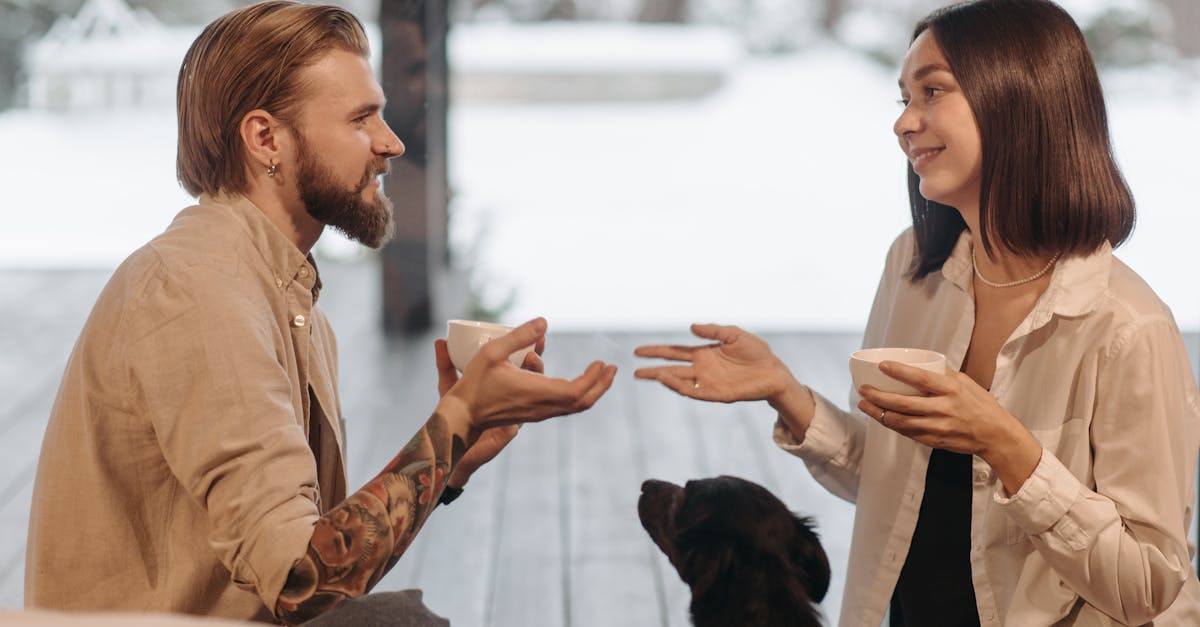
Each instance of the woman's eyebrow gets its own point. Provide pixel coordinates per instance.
(926, 70)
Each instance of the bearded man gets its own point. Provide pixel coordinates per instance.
(193, 461)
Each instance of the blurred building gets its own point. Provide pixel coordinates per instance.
(108, 56)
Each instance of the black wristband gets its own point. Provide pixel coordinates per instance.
(449, 494)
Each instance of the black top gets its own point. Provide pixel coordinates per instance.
(935, 587)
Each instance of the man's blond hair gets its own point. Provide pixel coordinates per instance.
(248, 59)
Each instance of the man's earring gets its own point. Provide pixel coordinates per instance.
(271, 169)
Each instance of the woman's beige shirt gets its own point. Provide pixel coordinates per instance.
(1098, 372)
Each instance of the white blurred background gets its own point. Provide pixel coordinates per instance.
(710, 160)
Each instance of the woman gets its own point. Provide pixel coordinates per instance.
(1047, 477)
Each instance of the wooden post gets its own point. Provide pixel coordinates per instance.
(414, 76)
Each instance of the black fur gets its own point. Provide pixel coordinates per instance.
(747, 558)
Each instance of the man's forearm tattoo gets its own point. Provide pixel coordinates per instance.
(359, 540)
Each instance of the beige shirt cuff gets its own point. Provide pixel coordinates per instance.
(824, 439)
(1045, 497)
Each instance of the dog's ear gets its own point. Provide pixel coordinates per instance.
(810, 559)
(706, 555)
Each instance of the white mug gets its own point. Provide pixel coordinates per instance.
(464, 338)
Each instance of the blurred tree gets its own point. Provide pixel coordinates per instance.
(831, 13)
(22, 22)
(413, 76)
(562, 10)
(1117, 36)
(663, 11)
(1185, 25)
(182, 12)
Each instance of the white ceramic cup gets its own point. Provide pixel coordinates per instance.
(464, 338)
(864, 367)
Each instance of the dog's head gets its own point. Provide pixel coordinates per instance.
(740, 549)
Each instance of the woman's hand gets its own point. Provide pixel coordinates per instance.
(958, 415)
(494, 393)
(738, 366)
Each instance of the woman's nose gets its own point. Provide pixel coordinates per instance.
(908, 122)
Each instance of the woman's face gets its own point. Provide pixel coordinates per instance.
(937, 130)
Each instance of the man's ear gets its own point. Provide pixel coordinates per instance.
(264, 138)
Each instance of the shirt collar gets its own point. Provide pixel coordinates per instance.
(1077, 282)
(285, 260)
(957, 267)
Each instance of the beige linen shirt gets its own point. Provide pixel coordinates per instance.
(1098, 373)
(196, 435)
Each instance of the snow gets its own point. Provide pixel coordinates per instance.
(768, 204)
(592, 47)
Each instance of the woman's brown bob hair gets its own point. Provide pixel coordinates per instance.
(249, 59)
(1050, 184)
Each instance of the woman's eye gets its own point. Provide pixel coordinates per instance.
(930, 92)
(903, 102)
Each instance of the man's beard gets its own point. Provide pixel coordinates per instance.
(367, 222)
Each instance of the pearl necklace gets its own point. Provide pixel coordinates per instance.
(1035, 277)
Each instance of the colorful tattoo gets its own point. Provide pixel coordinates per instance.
(358, 541)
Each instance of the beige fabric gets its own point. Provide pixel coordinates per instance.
(1098, 372)
(176, 472)
(42, 618)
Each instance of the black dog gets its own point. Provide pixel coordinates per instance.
(747, 558)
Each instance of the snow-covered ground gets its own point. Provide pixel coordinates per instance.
(768, 204)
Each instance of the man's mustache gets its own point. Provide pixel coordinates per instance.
(381, 168)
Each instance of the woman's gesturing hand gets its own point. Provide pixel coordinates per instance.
(737, 366)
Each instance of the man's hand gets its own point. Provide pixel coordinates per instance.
(493, 440)
(492, 392)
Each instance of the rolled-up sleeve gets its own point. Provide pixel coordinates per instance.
(215, 382)
(833, 446)
(1122, 545)
(831, 449)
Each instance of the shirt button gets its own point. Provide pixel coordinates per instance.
(298, 321)
(278, 282)
(303, 273)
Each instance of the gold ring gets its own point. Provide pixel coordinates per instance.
(882, 414)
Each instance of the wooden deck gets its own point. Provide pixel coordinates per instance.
(547, 534)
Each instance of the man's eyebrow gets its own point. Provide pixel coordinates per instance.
(926, 70)
(367, 109)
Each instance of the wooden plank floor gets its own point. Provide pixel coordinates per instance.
(547, 534)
